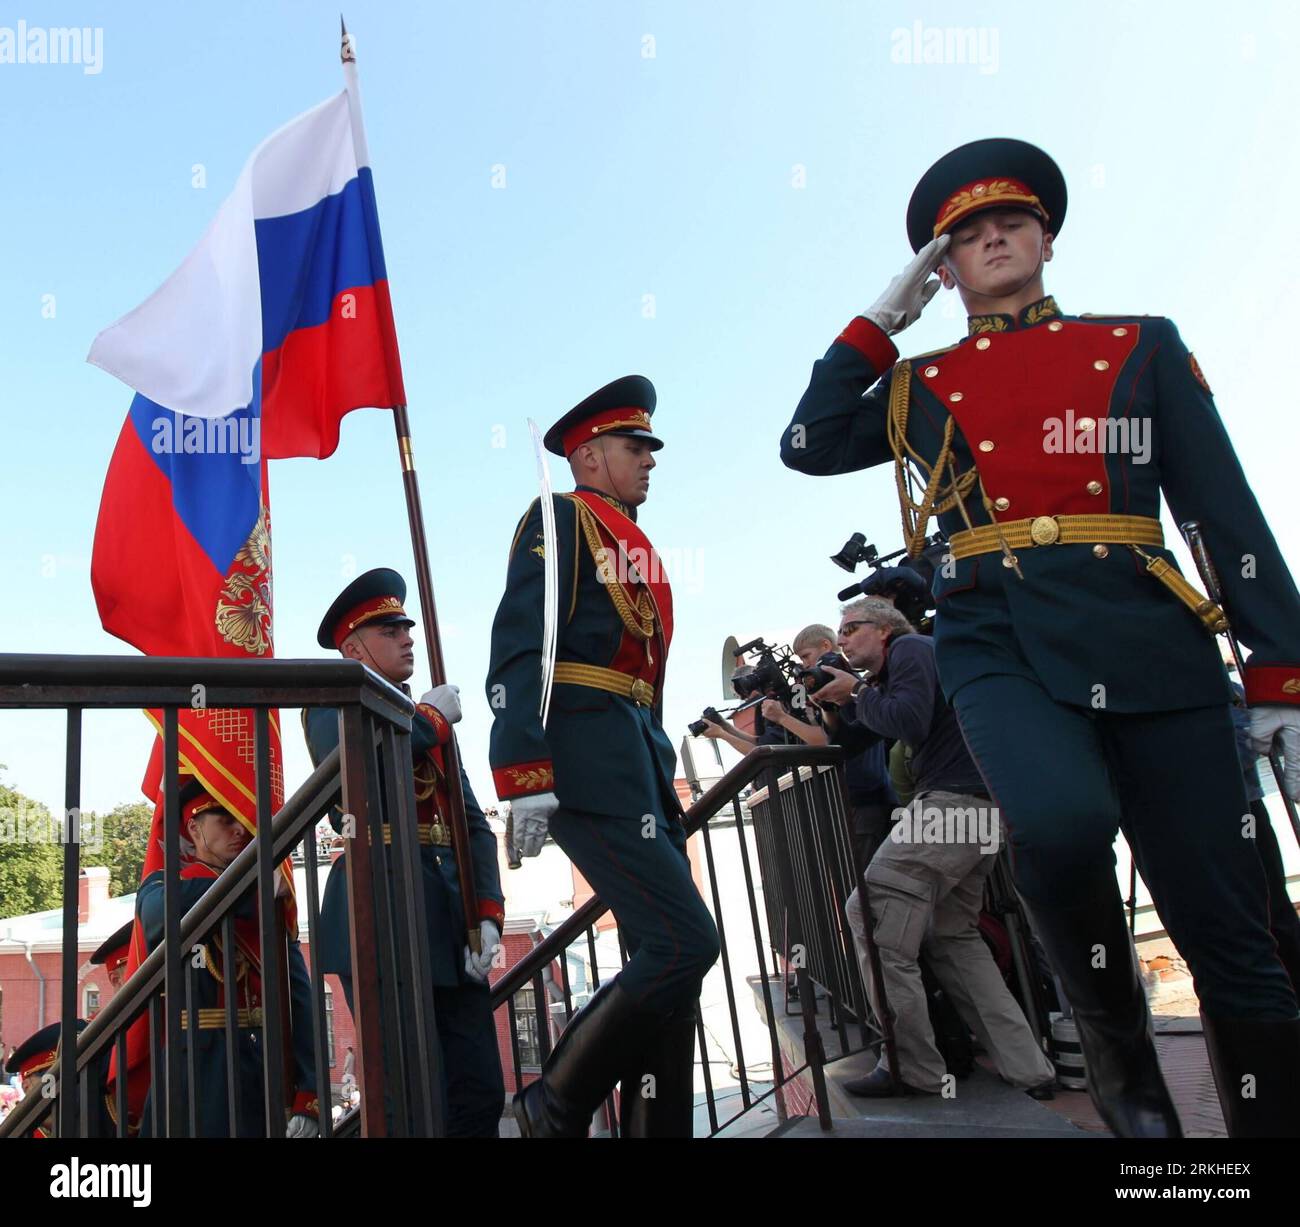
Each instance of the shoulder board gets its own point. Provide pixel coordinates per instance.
(933, 353)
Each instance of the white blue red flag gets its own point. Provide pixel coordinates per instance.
(276, 325)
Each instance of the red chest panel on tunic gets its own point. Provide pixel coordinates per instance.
(1015, 393)
(636, 656)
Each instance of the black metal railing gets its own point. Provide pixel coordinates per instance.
(397, 1065)
(796, 863)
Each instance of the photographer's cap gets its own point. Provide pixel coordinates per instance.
(623, 407)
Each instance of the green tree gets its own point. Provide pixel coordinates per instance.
(31, 856)
(125, 836)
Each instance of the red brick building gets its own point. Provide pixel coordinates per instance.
(31, 959)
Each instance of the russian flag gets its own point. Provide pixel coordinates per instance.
(277, 323)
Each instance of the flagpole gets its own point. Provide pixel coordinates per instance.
(420, 548)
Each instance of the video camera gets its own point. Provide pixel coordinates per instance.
(908, 583)
(773, 676)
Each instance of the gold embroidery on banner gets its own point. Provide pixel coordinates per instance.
(1291, 686)
(236, 724)
(243, 615)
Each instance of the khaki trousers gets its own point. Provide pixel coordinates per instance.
(925, 888)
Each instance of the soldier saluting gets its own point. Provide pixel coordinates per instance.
(1088, 689)
(597, 772)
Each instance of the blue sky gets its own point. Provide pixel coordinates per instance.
(750, 175)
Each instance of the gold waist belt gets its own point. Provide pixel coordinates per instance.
(1133, 531)
(215, 1018)
(571, 673)
(1057, 530)
(435, 834)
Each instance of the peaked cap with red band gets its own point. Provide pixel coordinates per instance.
(623, 407)
(373, 599)
(195, 799)
(112, 954)
(38, 1052)
(998, 173)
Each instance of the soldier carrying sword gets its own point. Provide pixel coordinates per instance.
(588, 611)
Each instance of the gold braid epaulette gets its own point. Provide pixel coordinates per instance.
(637, 616)
(937, 498)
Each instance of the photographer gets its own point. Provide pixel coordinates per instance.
(869, 795)
(925, 884)
(783, 717)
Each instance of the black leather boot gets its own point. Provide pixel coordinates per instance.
(1267, 1052)
(1110, 1012)
(664, 1108)
(602, 1039)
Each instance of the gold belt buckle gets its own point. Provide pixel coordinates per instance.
(439, 834)
(1044, 530)
(643, 694)
(255, 1016)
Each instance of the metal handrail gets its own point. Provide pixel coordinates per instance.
(759, 759)
(34, 681)
(76, 683)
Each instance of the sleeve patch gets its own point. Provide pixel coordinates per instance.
(1198, 374)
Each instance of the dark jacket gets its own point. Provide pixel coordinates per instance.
(907, 704)
(599, 752)
(1080, 619)
(212, 1111)
(442, 901)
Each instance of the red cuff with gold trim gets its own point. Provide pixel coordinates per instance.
(490, 909)
(440, 726)
(306, 1103)
(524, 779)
(872, 342)
(1272, 684)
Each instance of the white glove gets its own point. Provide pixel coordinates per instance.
(478, 965)
(446, 698)
(302, 1126)
(902, 303)
(1276, 722)
(532, 819)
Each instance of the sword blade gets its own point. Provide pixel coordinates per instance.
(551, 572)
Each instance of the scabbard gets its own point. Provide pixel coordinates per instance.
(1210, 614)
